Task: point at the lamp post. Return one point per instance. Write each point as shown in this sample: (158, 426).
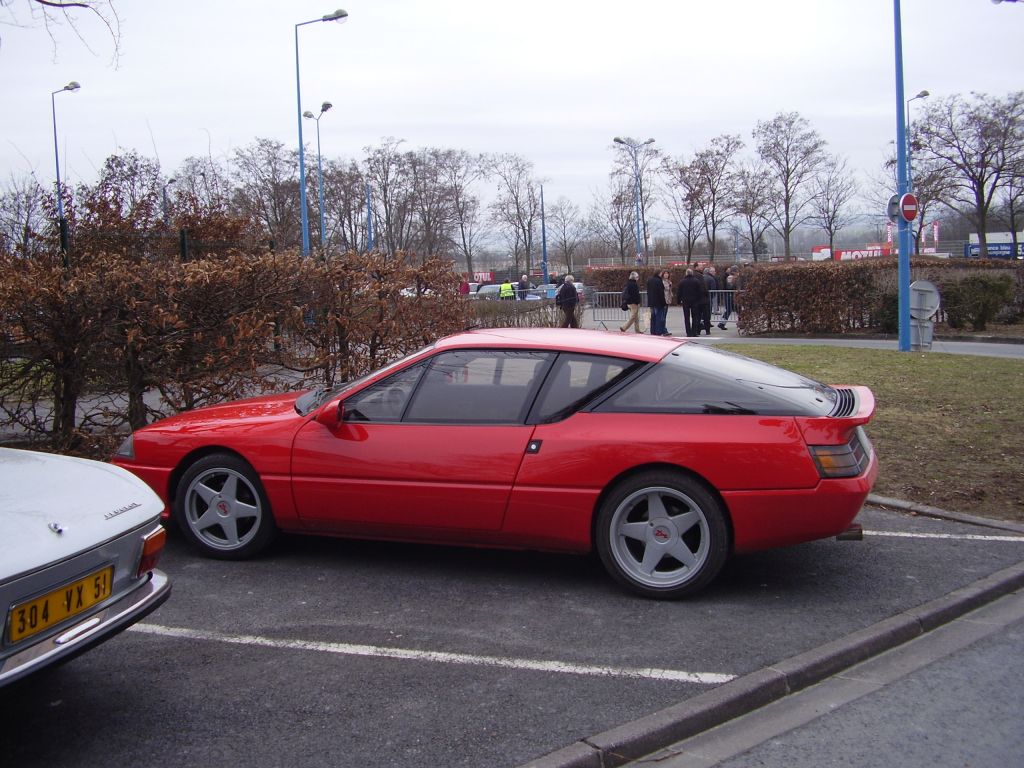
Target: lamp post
(62, 223)
(633, 147)
(910, 175)
(320, 169)
(303, 214)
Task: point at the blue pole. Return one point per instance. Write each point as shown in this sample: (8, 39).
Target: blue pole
(543, 239)
(903, 276)
(303, 214)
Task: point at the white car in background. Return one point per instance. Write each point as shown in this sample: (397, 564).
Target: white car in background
(79, 544)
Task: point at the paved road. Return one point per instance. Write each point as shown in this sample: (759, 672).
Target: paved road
(343, 653)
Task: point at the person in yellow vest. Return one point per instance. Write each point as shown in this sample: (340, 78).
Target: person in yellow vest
(507, 291)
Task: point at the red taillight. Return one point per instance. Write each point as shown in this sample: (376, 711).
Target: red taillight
(152, 548)
(850, 459)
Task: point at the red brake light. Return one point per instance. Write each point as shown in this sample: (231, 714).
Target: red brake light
(152, 548)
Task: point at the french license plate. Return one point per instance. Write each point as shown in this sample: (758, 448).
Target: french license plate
(34, 616)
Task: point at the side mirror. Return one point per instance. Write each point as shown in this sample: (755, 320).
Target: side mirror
(332, 416)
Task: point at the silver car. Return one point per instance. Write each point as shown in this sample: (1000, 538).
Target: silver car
(79, 544)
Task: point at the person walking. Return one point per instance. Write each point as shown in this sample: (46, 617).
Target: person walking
(666, 281)
(730, 294)
(566, 299)
(524, 286)
(689, 295)
(631, 299)
(507, 293)
(657, 303)
(711, 288)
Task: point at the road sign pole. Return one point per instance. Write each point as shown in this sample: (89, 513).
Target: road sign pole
(903, 277)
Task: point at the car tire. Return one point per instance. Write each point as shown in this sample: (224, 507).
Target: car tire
(222, 508)
(662, 534)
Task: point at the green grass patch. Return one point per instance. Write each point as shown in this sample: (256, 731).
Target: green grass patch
(948, 429)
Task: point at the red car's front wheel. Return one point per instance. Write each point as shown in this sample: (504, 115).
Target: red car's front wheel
(222, 508)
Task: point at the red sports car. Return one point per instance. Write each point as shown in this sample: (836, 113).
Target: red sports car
(663, 455)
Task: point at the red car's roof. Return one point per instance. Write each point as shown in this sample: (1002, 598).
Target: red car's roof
(634, 345)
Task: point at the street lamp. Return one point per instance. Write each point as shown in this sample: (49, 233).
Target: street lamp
(167, 220)
(320, 168)
(62, 223)
(633, 147)
(910, 176)
(303, 214)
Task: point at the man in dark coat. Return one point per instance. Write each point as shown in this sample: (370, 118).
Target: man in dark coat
(690, 294)
(566, 299)
(656, 300)
(631, 300)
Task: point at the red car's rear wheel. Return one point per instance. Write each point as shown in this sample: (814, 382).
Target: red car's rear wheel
(662, 534)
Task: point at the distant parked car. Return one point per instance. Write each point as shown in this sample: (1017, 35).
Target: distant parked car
(492, 291)
(664, 456)
(79, 544)
(585, 292)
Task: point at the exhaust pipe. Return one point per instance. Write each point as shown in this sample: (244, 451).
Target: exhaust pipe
(854, 533)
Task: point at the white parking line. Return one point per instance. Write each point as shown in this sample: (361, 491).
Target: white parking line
(703, 678)
(959, 536)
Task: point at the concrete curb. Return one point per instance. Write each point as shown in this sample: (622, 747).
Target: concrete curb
(927, 511)
(641, 737)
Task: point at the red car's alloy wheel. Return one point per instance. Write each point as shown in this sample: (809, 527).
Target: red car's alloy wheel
(662, 534)
(220, 504)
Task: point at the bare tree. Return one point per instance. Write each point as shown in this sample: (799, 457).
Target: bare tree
(753, 203)
(22, 217)
(682, 185)
(1012, 202)
(431, 204)
(388, 173)
(52, 15)
(345, 201)
(714, 170)
(566, 224)
(835, 188)
(267, 190)
(459, 170)
(613, 217)
(792, 152)
(648, 160)
(977, 141)
(516, 210)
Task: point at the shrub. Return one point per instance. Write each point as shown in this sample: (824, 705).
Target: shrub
(975, 299)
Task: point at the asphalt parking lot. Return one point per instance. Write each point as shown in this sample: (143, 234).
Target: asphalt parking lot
(345, 653)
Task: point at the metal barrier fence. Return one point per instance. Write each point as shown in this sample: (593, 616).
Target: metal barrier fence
(606, 307)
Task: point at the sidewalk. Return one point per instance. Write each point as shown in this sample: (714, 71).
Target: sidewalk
(730, 334)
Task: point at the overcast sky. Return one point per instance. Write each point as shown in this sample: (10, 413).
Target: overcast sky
(551, 80)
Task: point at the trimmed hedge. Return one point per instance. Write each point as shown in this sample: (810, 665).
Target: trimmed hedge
(829, 297)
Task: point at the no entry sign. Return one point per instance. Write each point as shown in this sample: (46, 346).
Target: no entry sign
(908, 206)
